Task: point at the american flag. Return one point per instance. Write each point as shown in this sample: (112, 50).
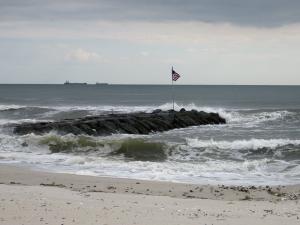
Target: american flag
(175, 75)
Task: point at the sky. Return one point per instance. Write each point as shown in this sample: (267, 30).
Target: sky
(138, 41)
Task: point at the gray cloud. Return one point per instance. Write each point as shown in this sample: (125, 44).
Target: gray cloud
(261, 13)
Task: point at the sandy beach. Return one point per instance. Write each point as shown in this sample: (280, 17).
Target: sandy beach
(136, 112)
(33, 197)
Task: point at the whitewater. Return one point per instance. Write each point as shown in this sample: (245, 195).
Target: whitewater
(259, 144)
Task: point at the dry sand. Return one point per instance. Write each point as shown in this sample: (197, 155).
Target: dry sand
(30, 197)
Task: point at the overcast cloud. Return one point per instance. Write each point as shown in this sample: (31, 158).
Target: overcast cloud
(242, 12)
(137, 41)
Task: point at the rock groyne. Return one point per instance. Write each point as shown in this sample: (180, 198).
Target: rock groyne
(129, 123)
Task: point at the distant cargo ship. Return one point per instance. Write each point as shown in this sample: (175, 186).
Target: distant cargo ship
(70, 83)
(97, 83)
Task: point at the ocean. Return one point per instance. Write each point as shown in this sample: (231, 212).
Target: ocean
(259, 144)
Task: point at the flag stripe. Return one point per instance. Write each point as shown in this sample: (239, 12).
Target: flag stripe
(175, 75)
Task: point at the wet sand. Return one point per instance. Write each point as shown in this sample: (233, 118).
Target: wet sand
(32, 197)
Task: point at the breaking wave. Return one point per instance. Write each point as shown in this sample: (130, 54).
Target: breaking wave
(233, 116)
(20, 121)
(241, 144)
(143, 158)
(188, 155)
(9, 107)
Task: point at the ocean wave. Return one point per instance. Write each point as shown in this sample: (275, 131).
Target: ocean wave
(233, 116)
(9, 107)
(121, 147)
(67, 111)
(123, 156)
(263, 171)
(130, 148)
(241, 144)
(20, 121)
(114, 108)
(254, 118)
(225, 113)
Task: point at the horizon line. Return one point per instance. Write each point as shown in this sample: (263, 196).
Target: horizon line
(144, 84)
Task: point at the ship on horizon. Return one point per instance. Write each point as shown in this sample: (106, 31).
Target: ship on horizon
(71, 83)
(84, 83)
(97, 83)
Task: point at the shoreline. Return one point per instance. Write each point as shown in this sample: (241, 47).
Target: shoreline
(21, 175)
(56, 198)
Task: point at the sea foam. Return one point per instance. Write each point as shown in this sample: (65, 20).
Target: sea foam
(241, 144)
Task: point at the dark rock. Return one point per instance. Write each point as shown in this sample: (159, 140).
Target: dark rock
(157, 111)
(132, 123)
(24, 144)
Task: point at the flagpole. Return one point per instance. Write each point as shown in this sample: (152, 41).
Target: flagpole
(172, 87)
